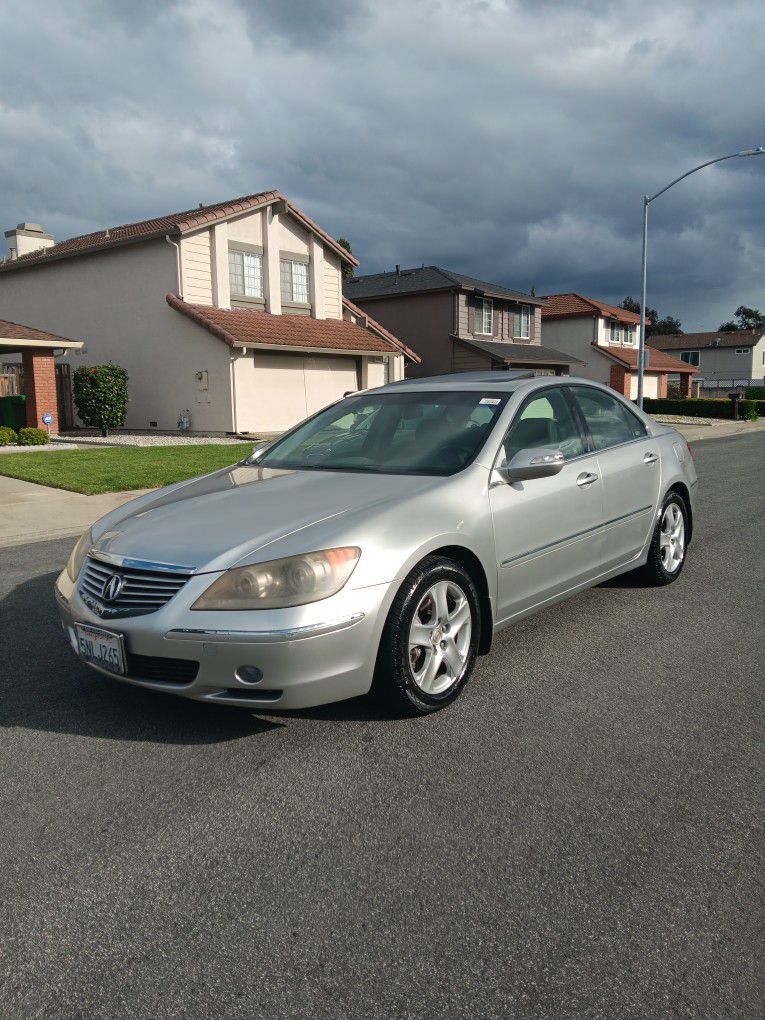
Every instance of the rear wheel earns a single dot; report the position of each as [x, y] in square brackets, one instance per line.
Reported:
[430, 640]
[666, 557]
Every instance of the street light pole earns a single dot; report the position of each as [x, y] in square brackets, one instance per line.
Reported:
[759, 151]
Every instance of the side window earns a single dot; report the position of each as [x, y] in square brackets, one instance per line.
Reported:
[545, 420]
[609, 421]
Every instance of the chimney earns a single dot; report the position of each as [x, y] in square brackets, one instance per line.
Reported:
[26, 238]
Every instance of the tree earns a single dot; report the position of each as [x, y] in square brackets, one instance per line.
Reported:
[347, 270]
[654, 326]
[745, 318]
[101, 396]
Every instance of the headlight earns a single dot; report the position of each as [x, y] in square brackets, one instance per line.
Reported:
[277, 584]
[78, 554]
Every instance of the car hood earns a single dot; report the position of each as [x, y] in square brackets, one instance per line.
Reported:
[233, 515]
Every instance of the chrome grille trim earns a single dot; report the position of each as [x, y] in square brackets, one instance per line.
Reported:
[142, 591]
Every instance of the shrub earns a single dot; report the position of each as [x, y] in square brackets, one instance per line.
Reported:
[33, 437]
[8, 436]
[673, 391]
[700, 408]
[101, 396]
[755, 393]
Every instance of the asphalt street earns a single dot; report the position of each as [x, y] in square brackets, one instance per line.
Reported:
[579, 836]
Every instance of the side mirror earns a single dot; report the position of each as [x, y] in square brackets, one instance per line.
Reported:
[257, 452]
[537, 462]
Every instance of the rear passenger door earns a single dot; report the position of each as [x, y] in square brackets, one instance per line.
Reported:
[629, 468]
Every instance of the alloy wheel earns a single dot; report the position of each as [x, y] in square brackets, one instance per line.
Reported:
[439, 638]
[672, 538]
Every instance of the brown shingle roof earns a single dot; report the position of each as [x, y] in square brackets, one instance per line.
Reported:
[658, 360]
[17, 331]
[565, 306]
[244, 327]
[694, 341]
[174, 224]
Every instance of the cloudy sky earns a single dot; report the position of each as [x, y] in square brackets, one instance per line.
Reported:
[509, 139]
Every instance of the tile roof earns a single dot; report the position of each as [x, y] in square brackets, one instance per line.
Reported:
[17, 331]
[521, 354]
[244, 327]
[426, 278]
[658, 361]
[569, 306]
[694, 341]
[174, 224]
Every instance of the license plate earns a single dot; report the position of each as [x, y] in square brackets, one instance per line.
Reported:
[102, 648]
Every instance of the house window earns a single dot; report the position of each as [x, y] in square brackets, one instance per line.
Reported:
[484, 316]
[741, 350]
[614, 332]
[522, 322]
[294, 278]
[690, 358]
[245, 273]
[629, 335]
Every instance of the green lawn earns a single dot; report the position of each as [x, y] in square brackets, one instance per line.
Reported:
[116, 469]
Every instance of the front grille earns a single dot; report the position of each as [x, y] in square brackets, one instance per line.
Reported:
[139, 590]
[159, 669]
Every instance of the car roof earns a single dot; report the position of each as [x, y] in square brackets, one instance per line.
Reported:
[463, 381]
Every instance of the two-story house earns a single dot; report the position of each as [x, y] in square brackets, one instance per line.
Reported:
[605, 339]
[723, 360]
[232, 311]
[456, 323]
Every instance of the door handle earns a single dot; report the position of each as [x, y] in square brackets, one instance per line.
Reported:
[650, 458]
[585, 479]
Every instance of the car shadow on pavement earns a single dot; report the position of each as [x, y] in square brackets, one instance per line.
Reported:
[43, 686]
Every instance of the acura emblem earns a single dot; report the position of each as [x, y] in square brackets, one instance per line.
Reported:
[112, 588]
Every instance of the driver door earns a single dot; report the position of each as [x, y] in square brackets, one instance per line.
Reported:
[547, 531]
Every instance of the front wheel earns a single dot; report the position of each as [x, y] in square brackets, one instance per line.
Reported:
[429, 644]
[666, 556]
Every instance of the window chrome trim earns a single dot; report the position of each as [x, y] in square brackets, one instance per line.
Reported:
[125, 561]
[264, 636]
[577, 534]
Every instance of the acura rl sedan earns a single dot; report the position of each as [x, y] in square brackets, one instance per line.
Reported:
[381, 544]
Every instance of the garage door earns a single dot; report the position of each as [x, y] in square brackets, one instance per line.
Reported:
[650, 385]
[289, 387]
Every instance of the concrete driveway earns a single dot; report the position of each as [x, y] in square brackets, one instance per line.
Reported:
[577, 837]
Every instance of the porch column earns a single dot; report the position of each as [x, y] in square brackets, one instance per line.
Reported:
[685, 384]
[620, 380]
[40, 386]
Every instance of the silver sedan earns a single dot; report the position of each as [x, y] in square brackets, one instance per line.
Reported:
[381, 544]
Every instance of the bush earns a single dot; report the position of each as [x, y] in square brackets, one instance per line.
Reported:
[33, 437]
[8, 436]
[101, 396]
[694, 407]
[755, 393]
[673, 391]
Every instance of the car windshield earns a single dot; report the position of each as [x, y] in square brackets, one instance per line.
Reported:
[427, 432]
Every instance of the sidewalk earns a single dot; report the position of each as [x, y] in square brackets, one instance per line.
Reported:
[34, 513]
[716, 430]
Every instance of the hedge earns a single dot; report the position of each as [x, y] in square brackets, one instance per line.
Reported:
[755, 393]
[694, 407]
[8, 436]
[33, 437]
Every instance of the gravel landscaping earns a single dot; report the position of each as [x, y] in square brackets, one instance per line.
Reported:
[92, 437]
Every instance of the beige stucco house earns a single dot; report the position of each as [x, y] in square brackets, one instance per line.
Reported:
[232, 311]
[605, 339]
[723, 360]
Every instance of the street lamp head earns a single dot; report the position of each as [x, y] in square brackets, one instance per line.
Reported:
[759, 151]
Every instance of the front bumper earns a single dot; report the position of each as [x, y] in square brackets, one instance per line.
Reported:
[307, 656]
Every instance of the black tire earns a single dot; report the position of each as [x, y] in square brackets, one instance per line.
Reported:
[394, 681]
[655, 572]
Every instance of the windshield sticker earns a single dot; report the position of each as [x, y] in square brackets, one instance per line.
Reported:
[490, 400]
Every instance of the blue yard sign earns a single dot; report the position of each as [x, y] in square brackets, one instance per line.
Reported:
[47, 418]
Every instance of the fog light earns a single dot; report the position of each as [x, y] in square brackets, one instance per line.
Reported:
[249, 674]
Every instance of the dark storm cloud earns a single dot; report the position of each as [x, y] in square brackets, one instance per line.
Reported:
[509, 140]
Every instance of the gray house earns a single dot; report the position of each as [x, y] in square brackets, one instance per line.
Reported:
[723, 360]
[456, 323]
